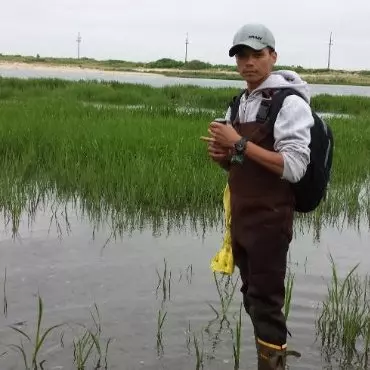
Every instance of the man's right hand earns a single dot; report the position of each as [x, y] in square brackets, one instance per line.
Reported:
[218, 153]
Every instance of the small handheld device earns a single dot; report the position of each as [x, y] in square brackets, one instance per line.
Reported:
[220, 120]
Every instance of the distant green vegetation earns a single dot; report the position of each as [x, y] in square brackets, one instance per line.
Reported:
[193, 69]
[163, 63]
[88, 62]
[173, 96]
[330, 78]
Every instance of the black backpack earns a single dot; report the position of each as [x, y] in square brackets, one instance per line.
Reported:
[312, 188]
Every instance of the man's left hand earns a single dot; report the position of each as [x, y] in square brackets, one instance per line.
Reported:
[224, 135]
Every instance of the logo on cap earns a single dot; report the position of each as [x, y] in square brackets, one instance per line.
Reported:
[255, 37]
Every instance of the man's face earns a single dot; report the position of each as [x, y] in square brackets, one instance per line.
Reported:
[255, 65]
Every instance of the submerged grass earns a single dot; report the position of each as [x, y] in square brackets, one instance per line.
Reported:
[160, 322]
[164, 282]
[343, 325]
[226, 290]
[5, 299]
[288, 293]
[237, 339]
[343, 328]
[88, 349]
[199, 351]
[32, 360]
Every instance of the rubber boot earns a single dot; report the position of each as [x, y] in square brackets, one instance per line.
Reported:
[272, 357]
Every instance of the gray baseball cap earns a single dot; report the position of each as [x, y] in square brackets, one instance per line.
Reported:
[254, 35]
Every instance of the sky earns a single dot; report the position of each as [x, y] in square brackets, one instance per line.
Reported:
[147, 30]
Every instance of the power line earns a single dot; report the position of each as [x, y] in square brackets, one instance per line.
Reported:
[186, 47]
[330, 45]
[78, 45]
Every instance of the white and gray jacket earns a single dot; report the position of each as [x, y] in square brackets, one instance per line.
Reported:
[292, 127]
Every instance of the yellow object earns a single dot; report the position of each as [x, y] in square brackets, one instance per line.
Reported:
[223, 261]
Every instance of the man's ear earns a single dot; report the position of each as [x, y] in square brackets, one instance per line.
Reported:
[274, 56]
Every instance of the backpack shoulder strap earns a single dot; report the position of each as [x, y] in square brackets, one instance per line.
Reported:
[271, 108]
[234, 105]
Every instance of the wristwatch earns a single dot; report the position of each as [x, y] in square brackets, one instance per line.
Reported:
[239, 147]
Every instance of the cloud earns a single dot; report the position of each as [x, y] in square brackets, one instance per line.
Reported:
[145, 30]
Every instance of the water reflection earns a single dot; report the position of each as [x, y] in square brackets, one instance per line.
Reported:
[121, 221]
[173, 286]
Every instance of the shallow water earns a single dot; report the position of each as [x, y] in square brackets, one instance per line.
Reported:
[189, 110]
[159, 80]
[73, 271]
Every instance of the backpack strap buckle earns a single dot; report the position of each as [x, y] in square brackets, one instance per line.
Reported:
[264, 110]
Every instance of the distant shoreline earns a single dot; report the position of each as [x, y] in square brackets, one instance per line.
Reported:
[64, 68]
[325, 77]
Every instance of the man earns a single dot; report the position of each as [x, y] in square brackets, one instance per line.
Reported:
[262, 201]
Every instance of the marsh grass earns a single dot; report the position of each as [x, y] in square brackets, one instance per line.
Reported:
[13, 89]
[82, 348]
[199, 350]
[122, 160]
[289, 284]
[5, 299]
[188, 338]
[188, 274]
[89, 348]
[32, 360]
[164, 282]
[226, 290]
[160, 322]
[220, 324]
[134, 168]
[237, 339]
[343, 323]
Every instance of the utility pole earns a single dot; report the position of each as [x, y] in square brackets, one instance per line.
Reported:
[330, 45]
[186, 47]
[78, 45]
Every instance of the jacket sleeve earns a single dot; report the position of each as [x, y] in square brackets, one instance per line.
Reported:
[292, 137]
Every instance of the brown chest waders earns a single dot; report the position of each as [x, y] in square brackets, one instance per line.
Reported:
[262, 207]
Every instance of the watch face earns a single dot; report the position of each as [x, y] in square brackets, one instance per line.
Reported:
[240, 145]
